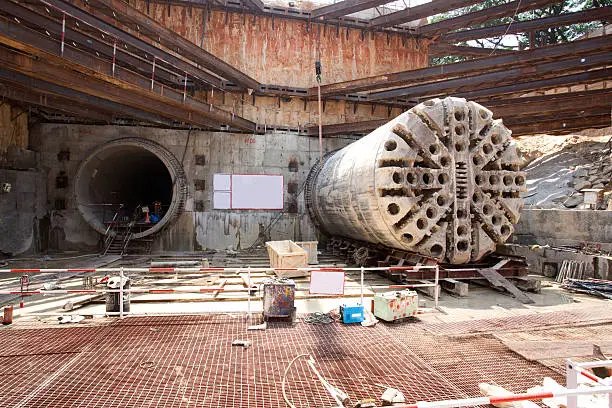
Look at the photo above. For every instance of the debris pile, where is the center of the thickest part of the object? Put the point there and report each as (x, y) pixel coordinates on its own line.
(595, 287)
(559, 167)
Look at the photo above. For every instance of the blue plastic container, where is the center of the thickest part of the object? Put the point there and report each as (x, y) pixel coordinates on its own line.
(352, 314)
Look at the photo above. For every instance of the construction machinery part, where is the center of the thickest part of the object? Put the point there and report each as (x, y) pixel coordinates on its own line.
(441, 180)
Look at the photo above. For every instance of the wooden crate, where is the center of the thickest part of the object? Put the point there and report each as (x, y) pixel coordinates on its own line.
(287, 254)
(311, 248)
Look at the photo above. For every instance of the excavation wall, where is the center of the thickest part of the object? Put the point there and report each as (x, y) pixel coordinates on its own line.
(63, 149)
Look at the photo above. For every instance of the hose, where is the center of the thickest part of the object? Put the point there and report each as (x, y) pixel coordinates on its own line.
(318, 318)
(285, 378)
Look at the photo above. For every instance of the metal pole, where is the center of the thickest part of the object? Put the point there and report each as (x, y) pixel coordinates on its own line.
(362, 286)
(571, 381)
(320, 123)
(153, 73)
(185, 88)
(63, 32)
(249, 292)
(436, 287)
(114, 55)
(121, 277)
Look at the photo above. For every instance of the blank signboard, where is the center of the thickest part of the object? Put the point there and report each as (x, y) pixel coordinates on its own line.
(222, 182)
(257, 191)
(327, 282)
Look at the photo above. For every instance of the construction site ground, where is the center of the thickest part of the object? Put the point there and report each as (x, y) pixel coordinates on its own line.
(188, 360)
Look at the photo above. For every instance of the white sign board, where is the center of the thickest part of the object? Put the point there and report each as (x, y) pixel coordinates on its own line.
(222, 200)
(257, 192)
(327, 282)
(222, 182)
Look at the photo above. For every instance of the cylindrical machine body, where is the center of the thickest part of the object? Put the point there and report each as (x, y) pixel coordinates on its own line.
(440, 180)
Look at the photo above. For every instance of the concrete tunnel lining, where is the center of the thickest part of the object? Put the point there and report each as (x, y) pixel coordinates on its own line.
(129, 171)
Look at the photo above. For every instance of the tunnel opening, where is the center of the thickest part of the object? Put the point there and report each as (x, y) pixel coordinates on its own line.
(131, 186)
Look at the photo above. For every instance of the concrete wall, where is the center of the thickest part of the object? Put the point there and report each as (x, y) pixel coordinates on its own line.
(564, 227)
(283, 51)
(22, 217)
(224, 153)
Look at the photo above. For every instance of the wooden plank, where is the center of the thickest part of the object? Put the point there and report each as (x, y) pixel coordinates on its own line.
(499, 281)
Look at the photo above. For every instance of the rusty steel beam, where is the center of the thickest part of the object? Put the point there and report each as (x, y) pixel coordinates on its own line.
(347, 127)
(345, 7)
(510, 110)
(276, 11)
(39, 22)
(472, 67)
(594, 14)
(66, 105)
(508, 76)
(193, 71)
(255, 4)
(168, 38)
(79, 98)
(557, 126)
(551, 104)
(504, 10)
(564, 80)
(440, 49)
(177, 104)
(418, 12)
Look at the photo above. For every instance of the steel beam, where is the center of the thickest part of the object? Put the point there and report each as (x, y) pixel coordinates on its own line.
(79, 98)
(477, 17)
(94, 77)
(30, 97)
(137, 43)
(345, 7)
(418, 12)
(593, 14)
(514, 75)
(564, 80)
(41, 22)
(438, 49)
(515, 111)
(556, 126)
(167, 37)
(472, 67)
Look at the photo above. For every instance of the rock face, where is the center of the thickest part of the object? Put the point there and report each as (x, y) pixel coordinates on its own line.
(441, 180)
(592, 175)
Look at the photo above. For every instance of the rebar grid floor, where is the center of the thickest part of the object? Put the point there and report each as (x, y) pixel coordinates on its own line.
(187, 361)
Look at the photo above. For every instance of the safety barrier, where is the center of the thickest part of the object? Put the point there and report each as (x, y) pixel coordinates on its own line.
(121, 271)
(572, 392)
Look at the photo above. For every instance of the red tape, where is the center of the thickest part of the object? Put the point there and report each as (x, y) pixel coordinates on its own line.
(521, 397)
